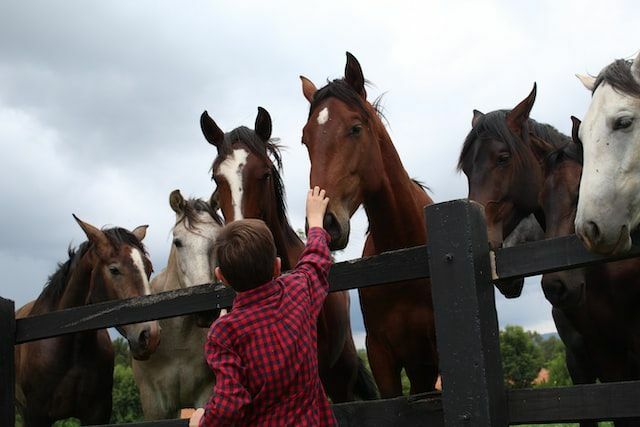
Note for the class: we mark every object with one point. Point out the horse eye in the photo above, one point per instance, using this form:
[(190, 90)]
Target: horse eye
[(503, 159), (622, 123), (355, 130), (114, 270), (177, 243)]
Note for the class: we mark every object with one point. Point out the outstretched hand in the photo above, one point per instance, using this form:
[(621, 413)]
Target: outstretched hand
[(316, 207), (194, 421)]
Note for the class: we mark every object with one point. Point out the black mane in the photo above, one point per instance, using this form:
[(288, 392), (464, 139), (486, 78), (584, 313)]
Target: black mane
[(493, 125), (57, 282), (618, 74)]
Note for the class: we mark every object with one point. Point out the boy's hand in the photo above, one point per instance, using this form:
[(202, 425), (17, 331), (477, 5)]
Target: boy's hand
[(194, 421), (316, 207)]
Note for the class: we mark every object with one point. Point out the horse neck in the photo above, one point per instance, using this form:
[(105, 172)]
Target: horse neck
[(288, 246), (395, 208), (77, 290)]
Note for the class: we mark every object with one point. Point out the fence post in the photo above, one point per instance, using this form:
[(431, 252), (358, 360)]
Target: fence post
[(465, 315), (7, 364)]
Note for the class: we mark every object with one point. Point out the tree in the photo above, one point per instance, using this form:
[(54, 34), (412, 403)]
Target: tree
[(521, 357)]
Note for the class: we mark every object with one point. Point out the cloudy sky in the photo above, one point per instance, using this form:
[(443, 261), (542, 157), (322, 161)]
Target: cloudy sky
[(100, 101)]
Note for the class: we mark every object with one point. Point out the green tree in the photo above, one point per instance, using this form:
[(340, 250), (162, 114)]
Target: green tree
[(126, 397), (521, 357)]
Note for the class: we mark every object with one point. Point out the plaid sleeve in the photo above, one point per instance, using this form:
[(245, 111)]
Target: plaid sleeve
[(315, 263), (230, 399)]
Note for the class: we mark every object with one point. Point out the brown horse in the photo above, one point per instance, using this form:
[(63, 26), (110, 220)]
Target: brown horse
[(503, 158), (247, 174), (353, 158), (600, 302), (72, 375)]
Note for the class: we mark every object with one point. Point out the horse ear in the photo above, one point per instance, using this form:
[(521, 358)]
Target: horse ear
[(176, 201), (95, 236), (210, 130), (308, 88), (588, 81), (354, 76), (575, 129), (635, 68), (263, 124), (140, 231), (476, 117), (517, 117)]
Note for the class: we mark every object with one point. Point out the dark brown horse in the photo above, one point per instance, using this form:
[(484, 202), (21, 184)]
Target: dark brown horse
[(353, 158), (72, 375), (503, 158), (247, 174), (599, 302)]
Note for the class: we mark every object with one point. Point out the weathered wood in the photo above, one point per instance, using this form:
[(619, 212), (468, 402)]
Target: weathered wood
[(389, 267), (419, 410), (550, 255), (7, 371), (598, 402), (122, 312), (465, 315)]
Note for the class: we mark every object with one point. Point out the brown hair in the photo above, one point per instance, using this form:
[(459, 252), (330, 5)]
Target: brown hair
[(245, 251)]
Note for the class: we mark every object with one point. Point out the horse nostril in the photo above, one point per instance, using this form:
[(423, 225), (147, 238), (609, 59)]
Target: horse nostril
[(329, 220), (592, 230), (143, 339), (555, 290)]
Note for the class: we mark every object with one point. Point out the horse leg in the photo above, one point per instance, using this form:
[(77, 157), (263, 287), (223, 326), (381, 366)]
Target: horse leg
[(422, 376), (385, 368)]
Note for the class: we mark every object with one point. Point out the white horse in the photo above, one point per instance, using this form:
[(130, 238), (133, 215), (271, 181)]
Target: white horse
[(177, 376), (609, 201)]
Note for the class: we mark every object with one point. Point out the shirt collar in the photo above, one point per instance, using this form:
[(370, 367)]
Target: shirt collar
[(256, 294)]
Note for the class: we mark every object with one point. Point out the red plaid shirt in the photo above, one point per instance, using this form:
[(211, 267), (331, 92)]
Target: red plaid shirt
[(264, 352)]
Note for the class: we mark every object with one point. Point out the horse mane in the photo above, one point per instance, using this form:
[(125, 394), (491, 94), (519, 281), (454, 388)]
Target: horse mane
[(618, 74), (57, 282), (191, 210), (270, 153), (493, 125), (339, 88)]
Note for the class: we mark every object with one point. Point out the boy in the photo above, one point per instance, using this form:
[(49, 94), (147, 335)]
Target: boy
[(264, 352)]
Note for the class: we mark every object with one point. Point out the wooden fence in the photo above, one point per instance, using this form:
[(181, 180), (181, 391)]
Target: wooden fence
[(462, 270)]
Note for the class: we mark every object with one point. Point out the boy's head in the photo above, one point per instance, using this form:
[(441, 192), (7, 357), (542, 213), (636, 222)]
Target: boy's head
[(246, 255)]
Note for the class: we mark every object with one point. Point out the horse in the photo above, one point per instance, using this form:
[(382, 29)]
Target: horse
[(247, 172), (609, 202), (598, 301), (502, 157), (72, 375), (176, 376), (354, 160)]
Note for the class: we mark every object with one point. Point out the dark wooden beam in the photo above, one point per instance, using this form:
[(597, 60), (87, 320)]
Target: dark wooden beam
[(598, 402), (389, 267), (419, 410), (550, 255), (7, 371), (465, 314)]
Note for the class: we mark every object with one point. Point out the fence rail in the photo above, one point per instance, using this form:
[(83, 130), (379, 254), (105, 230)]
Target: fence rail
[(462, 270)]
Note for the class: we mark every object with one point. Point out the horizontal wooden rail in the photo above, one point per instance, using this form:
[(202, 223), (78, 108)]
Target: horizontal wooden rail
[(546, 256), (419, 410), (403, 264), (598, 402)]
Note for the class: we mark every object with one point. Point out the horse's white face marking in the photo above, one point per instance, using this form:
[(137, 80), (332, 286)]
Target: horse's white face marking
[(231, 169), (136, 257), (194, 253), (610, 184), (323, 116)]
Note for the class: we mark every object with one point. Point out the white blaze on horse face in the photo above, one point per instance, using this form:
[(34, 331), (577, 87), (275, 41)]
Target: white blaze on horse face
[(323, 116), (136, 257), (231, 169), (610, 184), (194, 254)]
